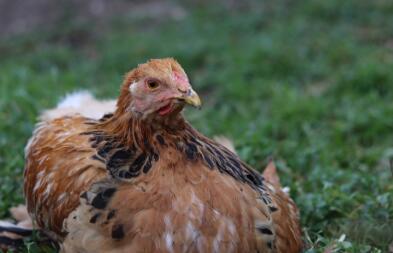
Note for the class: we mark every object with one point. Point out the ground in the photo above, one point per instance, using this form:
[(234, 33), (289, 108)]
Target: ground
[(307, 83)]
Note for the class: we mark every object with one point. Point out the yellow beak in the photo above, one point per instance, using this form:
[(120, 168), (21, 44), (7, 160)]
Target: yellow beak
[(193, 99)]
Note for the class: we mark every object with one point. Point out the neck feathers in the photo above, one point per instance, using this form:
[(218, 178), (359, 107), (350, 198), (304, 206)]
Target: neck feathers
[(134, 131), (129, 147)]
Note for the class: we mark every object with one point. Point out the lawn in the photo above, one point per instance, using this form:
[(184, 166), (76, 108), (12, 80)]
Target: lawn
[(308, 83)]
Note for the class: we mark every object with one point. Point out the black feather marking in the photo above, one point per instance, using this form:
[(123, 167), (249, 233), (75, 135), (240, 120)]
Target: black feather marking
[(95, 157), (117, 232), (84, 195), (254, 178), (124, 174), (234, 162), (147, 165), (121, 154), (156, 157), (265, 230), (120, 158), (160, 140), (195, 141), (273, 208), (235, 169), (225, 161), (11, 242), (16, 230), (108, 146), (222, 168), (208, 160), (92, 133), (101, 200), (209, 148), (137, 164), (97, 139), (106, 116), (221, 157), (94, 218), (191, 151), (147, 144), (111, 214)]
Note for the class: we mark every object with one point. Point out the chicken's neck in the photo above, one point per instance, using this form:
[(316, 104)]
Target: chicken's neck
[(140, 132), (129, 147)]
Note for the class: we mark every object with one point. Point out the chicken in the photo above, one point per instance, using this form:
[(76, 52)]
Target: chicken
[(142, 179)]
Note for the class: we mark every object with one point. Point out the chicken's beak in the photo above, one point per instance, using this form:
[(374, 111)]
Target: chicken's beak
[(192, 98)]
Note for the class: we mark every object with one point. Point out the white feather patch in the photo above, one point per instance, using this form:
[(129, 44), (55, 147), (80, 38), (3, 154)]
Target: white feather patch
[(133, 87), (83, 103)]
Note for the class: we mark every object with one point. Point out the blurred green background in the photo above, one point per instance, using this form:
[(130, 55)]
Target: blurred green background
[(309, 83)]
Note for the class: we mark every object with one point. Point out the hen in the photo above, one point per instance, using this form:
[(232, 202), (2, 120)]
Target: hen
[(144, 180)]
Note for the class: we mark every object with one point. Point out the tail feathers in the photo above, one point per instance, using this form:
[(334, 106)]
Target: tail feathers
[(270, 174), (81, 102), (10, 228), (7, 243), (11, 234)]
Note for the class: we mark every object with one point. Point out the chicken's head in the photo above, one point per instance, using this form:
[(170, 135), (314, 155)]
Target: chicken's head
[(158, 88)]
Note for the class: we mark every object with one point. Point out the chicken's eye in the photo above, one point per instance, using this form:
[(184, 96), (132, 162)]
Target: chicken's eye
[(152, 84)]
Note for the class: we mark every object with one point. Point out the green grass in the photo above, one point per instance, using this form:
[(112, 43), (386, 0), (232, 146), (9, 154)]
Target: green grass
[(309, 83)]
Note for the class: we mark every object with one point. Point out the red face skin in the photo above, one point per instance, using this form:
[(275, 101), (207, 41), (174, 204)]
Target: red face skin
[(154, 96)]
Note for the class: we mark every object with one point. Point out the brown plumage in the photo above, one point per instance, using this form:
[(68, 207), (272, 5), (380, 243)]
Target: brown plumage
[(143, 180)]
